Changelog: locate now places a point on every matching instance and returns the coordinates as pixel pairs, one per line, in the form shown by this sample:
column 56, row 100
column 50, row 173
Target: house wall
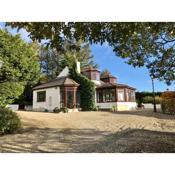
column 121, row 106
column 13, row 107
column 52, row 94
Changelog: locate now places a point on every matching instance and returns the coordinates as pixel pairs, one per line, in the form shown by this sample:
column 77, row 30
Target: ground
column 138, row 131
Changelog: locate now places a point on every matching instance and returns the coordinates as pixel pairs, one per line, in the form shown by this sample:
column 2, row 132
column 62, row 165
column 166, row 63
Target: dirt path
column 90, row 132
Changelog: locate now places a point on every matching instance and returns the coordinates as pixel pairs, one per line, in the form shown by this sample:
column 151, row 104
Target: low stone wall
column 121, row 106
column 13, row 107
column 150, row 106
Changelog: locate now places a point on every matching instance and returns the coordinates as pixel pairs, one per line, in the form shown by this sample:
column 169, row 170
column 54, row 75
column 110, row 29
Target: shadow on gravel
column 135, row 141
column 147, row 113
column 49, row 140
column 87, row 141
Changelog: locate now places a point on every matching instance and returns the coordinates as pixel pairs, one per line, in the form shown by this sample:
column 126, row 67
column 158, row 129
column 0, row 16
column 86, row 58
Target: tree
column 53, row 61
column 140, row 96
column 141, row 44
column 20, row 66
column 105, row 72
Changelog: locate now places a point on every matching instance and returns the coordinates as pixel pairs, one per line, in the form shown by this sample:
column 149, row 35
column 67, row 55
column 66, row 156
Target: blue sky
column 136, row 77
column 106, row 59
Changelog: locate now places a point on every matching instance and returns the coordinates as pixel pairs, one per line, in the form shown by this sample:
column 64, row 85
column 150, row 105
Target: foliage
column 149, row 99
column 64, row 109
column 168, row 102
column 114, row 108
column 9, row 121
column 20, row 66
column 9, row 91
column 53, row 61
column 140, row 96
column 46, row 110
column 25, row 98
column 105, row 72
column 56, row 110
column 140, row 43
column 96, row 108
column 86, row 89
column 158, row 99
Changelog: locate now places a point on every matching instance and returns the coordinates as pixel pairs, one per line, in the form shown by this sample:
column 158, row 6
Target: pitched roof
column 115, row 85
column 90, row 69
column 107, row 76
column 60, row 81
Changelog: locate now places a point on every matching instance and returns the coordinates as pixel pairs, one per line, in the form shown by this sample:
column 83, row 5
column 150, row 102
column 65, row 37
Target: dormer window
column 108, row 79
column 95, row 76
column 91, row 73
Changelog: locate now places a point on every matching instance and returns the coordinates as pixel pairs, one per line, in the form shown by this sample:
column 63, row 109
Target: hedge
column 168, row 102
column 149, row 99
column 9, row 121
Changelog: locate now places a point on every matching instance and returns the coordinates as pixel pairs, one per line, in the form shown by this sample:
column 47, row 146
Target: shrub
column 149, row 99
column 46, row 110
column 158, row 100
column 114, row 108
column 9, row 121
column 56, row 110
column 141, row 95
column 64, row 109
column 168, row 102
column 96, row 108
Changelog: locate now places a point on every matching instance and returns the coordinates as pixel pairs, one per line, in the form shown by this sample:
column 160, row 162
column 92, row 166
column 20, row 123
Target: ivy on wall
column 86, row 89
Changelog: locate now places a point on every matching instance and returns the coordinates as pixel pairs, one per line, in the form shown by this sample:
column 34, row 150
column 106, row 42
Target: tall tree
column 142, row 44
column 53, row 61
column 20, row 66
column 105, row 72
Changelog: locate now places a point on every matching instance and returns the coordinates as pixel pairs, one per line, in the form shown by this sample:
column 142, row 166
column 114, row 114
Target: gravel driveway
column 139, row 131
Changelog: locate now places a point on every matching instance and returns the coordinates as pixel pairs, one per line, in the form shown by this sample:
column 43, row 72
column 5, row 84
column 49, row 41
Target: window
column 106, row 95
column 131, row 96
column 121, row 95
column 95, row 76
column 41, row 96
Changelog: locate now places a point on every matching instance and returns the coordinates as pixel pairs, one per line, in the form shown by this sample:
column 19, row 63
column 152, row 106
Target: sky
column 106, row 59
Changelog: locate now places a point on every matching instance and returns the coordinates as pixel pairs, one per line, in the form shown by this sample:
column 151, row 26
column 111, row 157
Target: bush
column 149, row 99
column 56, row 110
column 9, row 121
column 158, row 100
column 96, row 108
column 141, row 95
column 168, row 102
column 46, row 110
column 64, row 109
column 114, row 108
